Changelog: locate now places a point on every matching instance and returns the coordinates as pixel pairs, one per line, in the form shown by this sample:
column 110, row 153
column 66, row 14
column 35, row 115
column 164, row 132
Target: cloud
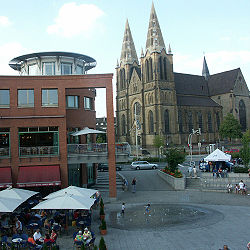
column 74, row 19
column 225, row 38
column 4, row 21
column 8, row 51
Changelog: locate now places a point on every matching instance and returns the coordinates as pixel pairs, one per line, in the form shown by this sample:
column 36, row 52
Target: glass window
column 180, row 121
column 49, row 68
column 166, row 122
column 25, row 97
column 123, row 125
column 66, row 68
column 190, row 122
column 4, row 98
column 72, row 101
column 79, row 70
column 88, row 103
column 209, row 122
column 33, row 70
column 50, row 97
column 151, row 122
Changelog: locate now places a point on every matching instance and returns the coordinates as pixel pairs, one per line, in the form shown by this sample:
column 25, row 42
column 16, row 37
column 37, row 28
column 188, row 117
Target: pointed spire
column 142, row 53
column 169, row 49
column 117, row 64
column 205, row 71
column 155, row 40
column 128, row 54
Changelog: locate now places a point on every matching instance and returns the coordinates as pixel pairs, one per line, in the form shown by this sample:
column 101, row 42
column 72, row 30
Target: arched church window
column 190, row 121
column 137, row 108
column 147, row 71
column 122, row 78
column 242, row 115
column 209, row 122
column 200, row 121
column 123, row 125
column 180, row 121
column 150, row 69
column 218, row 120
column 165, row 68
column 160, row 67
column 166, row 121
column 151, row 122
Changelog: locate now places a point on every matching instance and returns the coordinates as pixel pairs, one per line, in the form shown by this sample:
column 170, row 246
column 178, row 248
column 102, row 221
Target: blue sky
column 220, row 29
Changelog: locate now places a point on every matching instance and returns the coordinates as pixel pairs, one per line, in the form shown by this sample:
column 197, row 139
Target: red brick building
column 39, row 109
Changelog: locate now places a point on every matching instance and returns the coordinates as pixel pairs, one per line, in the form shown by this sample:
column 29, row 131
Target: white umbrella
column 86, row 131
column 218, row 155
column 8, row 205
column 85, row 192
column 66, row 201
column 17, row 193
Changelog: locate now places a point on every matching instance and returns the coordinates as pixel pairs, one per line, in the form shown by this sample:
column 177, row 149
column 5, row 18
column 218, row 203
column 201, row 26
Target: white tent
column 85, row 192
column 66, row 201
column 8, row 205
column 17, row 193
column 218, row 155
column 87, row 130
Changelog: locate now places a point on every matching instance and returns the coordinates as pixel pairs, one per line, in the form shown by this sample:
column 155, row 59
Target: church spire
column 205, row 71
column 155, row 40
column 128, row 54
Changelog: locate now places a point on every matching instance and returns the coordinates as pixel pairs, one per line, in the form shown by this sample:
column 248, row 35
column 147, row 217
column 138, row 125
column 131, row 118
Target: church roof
column 222, row 82
column 155, row 40
column 137, row 69
column 187, row 84
column 200, row 101
column 128, row 54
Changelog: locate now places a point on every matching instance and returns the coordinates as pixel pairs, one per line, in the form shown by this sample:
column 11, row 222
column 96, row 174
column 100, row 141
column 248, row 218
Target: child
column 123, row 209
column 147, row 209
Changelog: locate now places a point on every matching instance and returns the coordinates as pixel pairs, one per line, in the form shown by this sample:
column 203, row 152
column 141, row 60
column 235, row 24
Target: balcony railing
column 38, row 151
column 97, row 148
column 4, row 152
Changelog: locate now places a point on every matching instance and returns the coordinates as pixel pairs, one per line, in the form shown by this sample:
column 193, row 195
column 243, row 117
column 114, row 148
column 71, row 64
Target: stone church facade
column 153, row 100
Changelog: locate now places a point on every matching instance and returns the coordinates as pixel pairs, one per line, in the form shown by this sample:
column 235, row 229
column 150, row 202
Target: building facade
column 153, row 100
column 39, row 110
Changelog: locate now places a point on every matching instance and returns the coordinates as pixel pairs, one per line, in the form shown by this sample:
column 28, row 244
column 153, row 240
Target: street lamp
column 194, row 132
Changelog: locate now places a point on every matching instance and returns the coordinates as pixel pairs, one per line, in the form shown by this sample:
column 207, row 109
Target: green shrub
column 102, row 244
column 101, row 203
column 240, row 170
column 103, row 225
column 102, row 210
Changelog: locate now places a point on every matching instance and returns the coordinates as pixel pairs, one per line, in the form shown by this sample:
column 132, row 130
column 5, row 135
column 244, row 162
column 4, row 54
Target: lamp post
column 194, row 132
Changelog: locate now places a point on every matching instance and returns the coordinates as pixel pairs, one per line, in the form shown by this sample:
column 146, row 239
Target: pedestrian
column 225, row 247
column 133, row 185
column 190, row 170
column 241, row 185
column 195, row 172
column 123, row 209
column 147, row 209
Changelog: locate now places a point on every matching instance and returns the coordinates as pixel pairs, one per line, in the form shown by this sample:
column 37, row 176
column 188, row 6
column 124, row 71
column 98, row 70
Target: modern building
column 153, row 100
column 39, row 110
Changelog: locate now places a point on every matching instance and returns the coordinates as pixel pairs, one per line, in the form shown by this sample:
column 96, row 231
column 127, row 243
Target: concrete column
column 111, row 140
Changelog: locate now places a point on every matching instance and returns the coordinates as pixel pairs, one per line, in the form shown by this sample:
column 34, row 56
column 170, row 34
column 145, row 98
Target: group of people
column 83, row 237
column 192, row 171
column 240, row 188
column 219, row 173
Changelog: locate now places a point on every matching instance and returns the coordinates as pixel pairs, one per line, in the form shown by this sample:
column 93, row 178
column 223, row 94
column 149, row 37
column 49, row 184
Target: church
column 153, row 100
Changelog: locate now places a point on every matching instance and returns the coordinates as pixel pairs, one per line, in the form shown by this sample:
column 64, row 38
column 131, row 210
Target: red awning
column 5, row 177
column 37, row 176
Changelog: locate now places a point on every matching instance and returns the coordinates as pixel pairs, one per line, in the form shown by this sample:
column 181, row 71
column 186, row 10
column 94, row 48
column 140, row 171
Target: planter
column 103, row 231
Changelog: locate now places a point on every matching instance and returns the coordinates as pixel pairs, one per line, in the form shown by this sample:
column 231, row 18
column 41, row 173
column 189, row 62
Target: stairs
column 193, row 183
column 102, row 182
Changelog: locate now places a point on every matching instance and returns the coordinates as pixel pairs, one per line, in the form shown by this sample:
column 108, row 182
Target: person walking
column 123, row 209
column 195, row 172
column 133, row 185
column 190, row 170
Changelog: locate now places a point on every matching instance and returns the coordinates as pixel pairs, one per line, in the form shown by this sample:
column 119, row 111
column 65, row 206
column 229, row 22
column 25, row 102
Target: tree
column 245, row 151
column 158, row 142
column 174, row 157
column 230, row 127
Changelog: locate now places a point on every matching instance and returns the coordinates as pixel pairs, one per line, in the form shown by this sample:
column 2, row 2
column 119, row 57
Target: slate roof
column 222, row 82
column 198, row 101
column 187, row 84
column 137, row 69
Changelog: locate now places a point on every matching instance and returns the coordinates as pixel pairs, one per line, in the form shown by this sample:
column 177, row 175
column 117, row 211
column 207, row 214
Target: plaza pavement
column 231, row 227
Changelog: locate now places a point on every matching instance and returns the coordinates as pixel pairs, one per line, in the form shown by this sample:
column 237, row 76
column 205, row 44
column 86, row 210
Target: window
column 66, row 68
column 147, row 71
column 79, row 70
column 166, row 121
column 4, row 98
column 180, row 121
column 190, row 122
column 49, row 97
column 33, row 69
column 242, row 115
column 49, row 68
column 218, row 120
column 165, row 68
column 209, row 122
column 123, row 125
column 72, row 101
column 151, row 122
column 200, row 121
column 25, row 97
column 88, row 103
column 160, row 68
column 151, row 68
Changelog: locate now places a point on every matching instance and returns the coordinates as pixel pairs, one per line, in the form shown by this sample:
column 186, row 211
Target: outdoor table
column 17, row 242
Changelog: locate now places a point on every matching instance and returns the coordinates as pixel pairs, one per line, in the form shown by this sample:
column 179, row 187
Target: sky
column 218, row 29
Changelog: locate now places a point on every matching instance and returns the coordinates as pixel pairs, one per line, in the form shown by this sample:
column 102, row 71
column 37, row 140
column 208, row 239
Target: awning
column 5, row 177
column 37, row 176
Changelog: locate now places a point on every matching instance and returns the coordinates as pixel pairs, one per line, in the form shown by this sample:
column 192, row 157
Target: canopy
column 8, row 205
column 5, row 177
column 17, row 193
column 84, row 192
column 218, row 155
column 86, row 131
column 66, row 201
